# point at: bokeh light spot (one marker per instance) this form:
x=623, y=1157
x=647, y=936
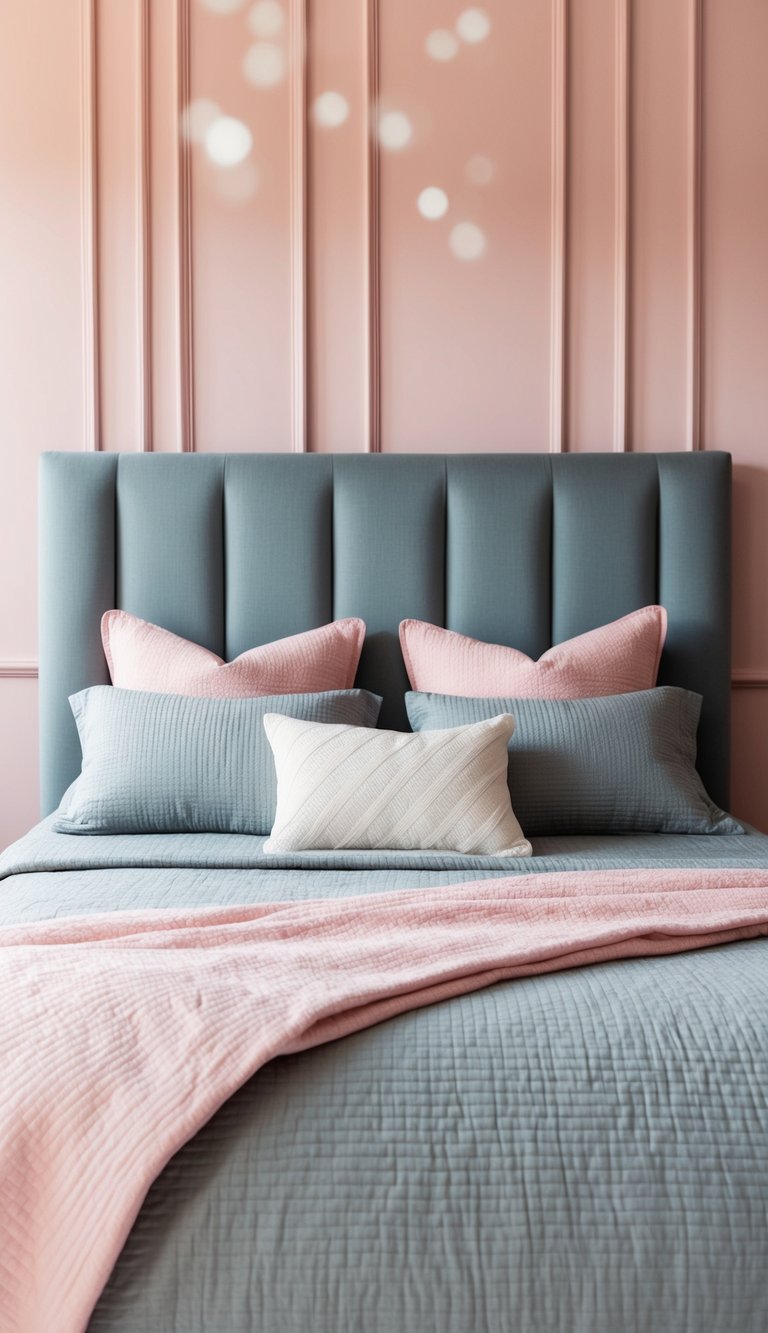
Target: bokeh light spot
x=266, y=18
x=264, y=65
x=473, y=25
x=432, y=203
x=197, y=118
x=395, y=130
x=480, y=170
x=441, y=44
x=228, y=141
x=467, y=241
x=330, y=110
x=222, y=6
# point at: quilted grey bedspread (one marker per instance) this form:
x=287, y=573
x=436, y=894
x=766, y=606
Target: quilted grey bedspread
x=585, y=1152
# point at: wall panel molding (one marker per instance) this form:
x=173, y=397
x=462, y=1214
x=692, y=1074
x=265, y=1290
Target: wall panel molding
x=10, y=670
x=693, y=434
x=144, y=229
x=750, y=678
x=185, y=329
x=559, y=203
x=298, y=222
x=89, y=237
x=373, y=227
x=742, y=678
x=622, y=149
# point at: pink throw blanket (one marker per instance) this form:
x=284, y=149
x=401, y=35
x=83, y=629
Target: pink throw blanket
x=123, y=1033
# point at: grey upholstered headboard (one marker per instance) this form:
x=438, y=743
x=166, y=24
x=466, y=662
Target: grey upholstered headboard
x=527, y=550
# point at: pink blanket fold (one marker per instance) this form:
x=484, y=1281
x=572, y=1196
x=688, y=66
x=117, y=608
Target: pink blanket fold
x=123, y=1033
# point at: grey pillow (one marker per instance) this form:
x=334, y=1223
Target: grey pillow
x=170, y=763
x=622, y=764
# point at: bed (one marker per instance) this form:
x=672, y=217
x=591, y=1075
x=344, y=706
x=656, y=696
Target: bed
x=583, y=1152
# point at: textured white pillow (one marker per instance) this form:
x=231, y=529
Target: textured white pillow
x=341, y=786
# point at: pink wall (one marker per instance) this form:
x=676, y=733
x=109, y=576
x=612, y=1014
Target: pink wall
x=606, y=163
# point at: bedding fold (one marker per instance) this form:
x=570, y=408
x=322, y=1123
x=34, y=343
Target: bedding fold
x=123, y=1033
x=43, y=850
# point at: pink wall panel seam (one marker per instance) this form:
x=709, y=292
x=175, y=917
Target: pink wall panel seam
x=143, y=231
x=89, y=226
x=185, y=330
x=693, y=433
x=559, y=203
x=622, y=141
x=373, y=224
x=298, y=221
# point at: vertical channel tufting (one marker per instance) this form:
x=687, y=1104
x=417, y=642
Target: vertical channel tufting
x=604, y=539
x=499, y=550
x=389, y=554
x=170, y=543
x=278, y=551
x=77, y=585
x=695, y=587
x=487, y=545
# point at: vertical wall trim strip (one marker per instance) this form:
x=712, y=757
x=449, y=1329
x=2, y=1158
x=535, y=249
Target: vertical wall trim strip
x=558, y=242
x=373, y=249
x=143, y=232
x=89, y=233
x=298, y=223
x=693, y=436
x=622, y=149
x=185, y=330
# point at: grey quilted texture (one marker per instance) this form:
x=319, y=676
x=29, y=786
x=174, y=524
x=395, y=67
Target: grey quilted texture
x=585, y=1152
x=170, y=763
x=43, y=849
x=621, y=764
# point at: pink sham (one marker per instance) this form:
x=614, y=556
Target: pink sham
x=615, y=659
x=142, y=656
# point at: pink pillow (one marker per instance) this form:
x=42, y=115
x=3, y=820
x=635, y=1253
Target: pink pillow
x=142, y=656
x=614, y=659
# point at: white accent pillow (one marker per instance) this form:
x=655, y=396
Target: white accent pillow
x=340, y=786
